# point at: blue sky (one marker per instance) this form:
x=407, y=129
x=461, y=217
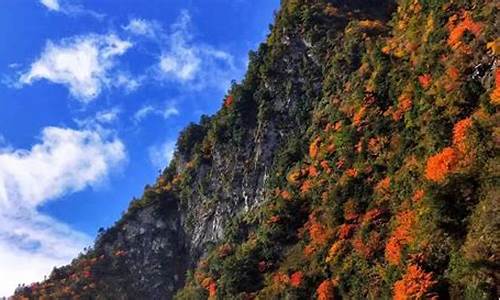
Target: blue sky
x=93, y=95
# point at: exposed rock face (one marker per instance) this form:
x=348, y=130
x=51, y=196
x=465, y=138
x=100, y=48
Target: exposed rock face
x=153, y=249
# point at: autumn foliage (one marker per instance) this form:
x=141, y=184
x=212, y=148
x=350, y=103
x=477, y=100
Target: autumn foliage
x=460, y=133
x=296, y=278
x=318, y=232
x=405, y=103
x=211, y=286
x=401, y=236
x=439, y=165
x=415, y=284
x=495, y=94
x=326, y=290
x=458, y=25
x=228, y=101
x=314, y=148
x=358, y=116
x=383, y=186
x=425, y=80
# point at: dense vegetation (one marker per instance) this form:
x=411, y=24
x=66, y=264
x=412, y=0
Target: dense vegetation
x=389, y=186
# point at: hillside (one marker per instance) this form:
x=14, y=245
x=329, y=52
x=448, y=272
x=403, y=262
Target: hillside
x=358, y=159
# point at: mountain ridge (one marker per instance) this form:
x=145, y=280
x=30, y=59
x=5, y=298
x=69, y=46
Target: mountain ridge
x=361, y=144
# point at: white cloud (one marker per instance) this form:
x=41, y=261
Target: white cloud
x=107, y=116
x=161, y=155
x=168, y=111
x=64, y=161
x=126, y=81
x=143, y=27
x=143, y=112
x=51, y=4
x=194, y=64
x=67, y=8
x=96, y=122
x=83, y=64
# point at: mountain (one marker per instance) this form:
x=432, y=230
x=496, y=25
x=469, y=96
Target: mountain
x=358, y=159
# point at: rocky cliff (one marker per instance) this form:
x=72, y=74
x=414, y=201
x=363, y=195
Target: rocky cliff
x=357, y=159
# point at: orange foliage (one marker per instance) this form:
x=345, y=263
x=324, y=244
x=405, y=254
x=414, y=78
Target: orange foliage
x=439, y=165
x=306, y=186
x=314, y=148
x=418, y=195
x=335, y=249
x=228, y=101
x=338, y=126
x=393, y=251
x=286, y=195
x=274, y=220
x=415, y=284
x=296, y=279
x=318, y=232
x=367, y=249
x=358, y=116
x=281, y=278
x=313, y=172
x=383, y=186
x=210, y=285
x=425, y=80
x=460, y=133
x=345, y=231
x=453, y=73
x=351, y=172
x=457, y=29
x=404, y=104
x=212, y=290
x=495, y=95
x=400, y=237
x=324, y=164
x=359, y=147
x=371, y=215
x=371, y=25
x=309, y=250
x=340, y=164
x=294, y=176
x=326, y=290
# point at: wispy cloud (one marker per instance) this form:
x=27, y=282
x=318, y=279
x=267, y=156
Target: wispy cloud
x=64, y=161
x=143, y=27
x=84, y=64
x=108, y=116
x=194, y=64
x=161, y=155
x=51, y=4
x=70, y=9
x=100, y=119
x=169, y=110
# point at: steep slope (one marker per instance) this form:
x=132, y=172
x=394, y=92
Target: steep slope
x=358, y=158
